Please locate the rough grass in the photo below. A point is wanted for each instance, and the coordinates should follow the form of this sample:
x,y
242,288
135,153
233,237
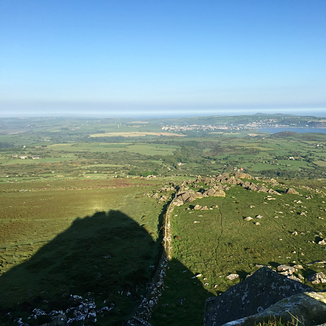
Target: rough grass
x,y
92,240
221,243
272,321
320,163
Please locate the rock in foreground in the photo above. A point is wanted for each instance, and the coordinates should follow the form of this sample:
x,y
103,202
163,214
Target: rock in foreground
x,y
308,308
256,293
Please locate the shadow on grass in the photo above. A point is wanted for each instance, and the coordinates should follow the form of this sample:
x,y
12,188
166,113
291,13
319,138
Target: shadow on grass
x,y
183,300
107,256
242,274
273,264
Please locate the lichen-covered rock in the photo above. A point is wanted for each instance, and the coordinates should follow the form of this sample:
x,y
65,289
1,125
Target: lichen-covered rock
x,y
252,187
219,193
187,196
209,192
242,175
199,195
287,270
246,184
291,191
292,277
232,181
232,277
262,289
262,189
298,266
248,218
308,308
177,202
222,177
273,192
317,278
214,192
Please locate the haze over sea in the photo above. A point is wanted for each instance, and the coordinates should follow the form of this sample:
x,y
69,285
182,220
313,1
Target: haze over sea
x,y
148,113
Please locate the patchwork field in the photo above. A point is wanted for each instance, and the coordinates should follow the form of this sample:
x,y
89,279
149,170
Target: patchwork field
x,y
136,134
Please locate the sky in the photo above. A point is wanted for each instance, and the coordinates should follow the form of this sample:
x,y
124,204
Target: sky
x,y
162,57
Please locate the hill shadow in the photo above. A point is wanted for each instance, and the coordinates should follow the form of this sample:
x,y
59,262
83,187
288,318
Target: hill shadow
x,y
106,258
184,298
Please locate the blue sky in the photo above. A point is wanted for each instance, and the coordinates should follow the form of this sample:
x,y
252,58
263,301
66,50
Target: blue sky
x,y
134,57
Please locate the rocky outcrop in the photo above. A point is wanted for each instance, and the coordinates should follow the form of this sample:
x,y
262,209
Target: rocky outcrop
x,y
256,293
317,278
242,175
214,192
308,308
286,270
218,185
189,196
273,192
291,191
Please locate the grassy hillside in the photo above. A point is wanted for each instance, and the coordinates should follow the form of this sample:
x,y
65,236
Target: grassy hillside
x,y
87,238
215,243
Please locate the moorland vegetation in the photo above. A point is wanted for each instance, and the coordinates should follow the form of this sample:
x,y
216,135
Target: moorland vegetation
x,y
86,216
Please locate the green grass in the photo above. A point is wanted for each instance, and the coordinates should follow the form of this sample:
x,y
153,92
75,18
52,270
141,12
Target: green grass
x,y
272,321
89,147
29,161
320,163
221,242
56,235
145,149
151,149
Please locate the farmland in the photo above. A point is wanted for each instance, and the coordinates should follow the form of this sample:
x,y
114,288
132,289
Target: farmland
x,y
135,134
78,216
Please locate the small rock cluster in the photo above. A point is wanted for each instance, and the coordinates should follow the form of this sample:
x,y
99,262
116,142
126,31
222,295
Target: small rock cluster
x,y
81,310
144,310
317,278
